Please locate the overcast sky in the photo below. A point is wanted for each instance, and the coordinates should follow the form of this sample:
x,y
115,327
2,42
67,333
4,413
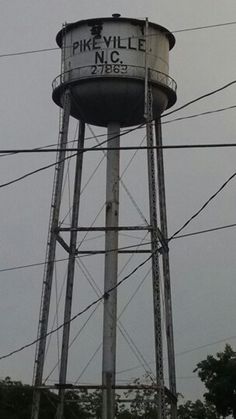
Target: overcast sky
x,y
202,267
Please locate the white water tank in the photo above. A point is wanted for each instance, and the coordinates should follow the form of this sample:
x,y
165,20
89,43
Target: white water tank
x,y
104,66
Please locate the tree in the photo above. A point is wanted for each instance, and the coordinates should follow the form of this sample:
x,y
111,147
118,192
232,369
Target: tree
x,y
197,410
16,402
219,376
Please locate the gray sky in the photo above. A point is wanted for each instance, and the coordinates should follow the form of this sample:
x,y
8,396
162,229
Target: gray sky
x,y
202,267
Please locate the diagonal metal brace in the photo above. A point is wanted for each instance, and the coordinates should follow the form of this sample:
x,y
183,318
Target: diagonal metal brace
x,y
164,242
63,243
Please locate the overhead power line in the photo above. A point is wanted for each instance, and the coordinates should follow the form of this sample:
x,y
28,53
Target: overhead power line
x,y
197,28
127,131
127,276
87,308
127,148
11,182
183,118
86,254
191,102
182,236
97,301
185,352
41,147
209,230
122,280
33,51
122,134
66,158
4,153
202,207
196,348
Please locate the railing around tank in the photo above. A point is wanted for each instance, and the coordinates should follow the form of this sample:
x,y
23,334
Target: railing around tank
x,y
113,70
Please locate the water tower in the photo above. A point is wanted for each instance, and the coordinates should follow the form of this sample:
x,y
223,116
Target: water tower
x,y
115,73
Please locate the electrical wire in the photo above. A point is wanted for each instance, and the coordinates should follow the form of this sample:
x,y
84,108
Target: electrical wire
x,y
105,295
137,148
41,148
123,133
47,149
33,51
56,163
202,207
185,352
174,236
91,253
195,233
94,136
212,92
142,263
12,152
37,148
196,348
127,276
80,313
209,230
197,28
227,108
48,166
72,342
100,292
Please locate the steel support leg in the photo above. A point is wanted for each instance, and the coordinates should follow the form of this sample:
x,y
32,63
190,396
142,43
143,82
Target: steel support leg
x,y
111,269
51,250
155,264
71,269
166,268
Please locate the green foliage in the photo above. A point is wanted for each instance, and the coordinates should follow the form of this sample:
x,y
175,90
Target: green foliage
x,y
143,401
15,399
217,373
219,376
197,410
85,404
16,402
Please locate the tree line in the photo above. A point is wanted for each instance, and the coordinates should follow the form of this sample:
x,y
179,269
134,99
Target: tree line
x,y
218,373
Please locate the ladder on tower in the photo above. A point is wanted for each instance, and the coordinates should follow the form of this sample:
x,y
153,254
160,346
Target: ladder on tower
x,y
50,252
44,287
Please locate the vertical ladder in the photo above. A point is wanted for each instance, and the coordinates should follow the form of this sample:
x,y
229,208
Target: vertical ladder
x,y
51,246
50,258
